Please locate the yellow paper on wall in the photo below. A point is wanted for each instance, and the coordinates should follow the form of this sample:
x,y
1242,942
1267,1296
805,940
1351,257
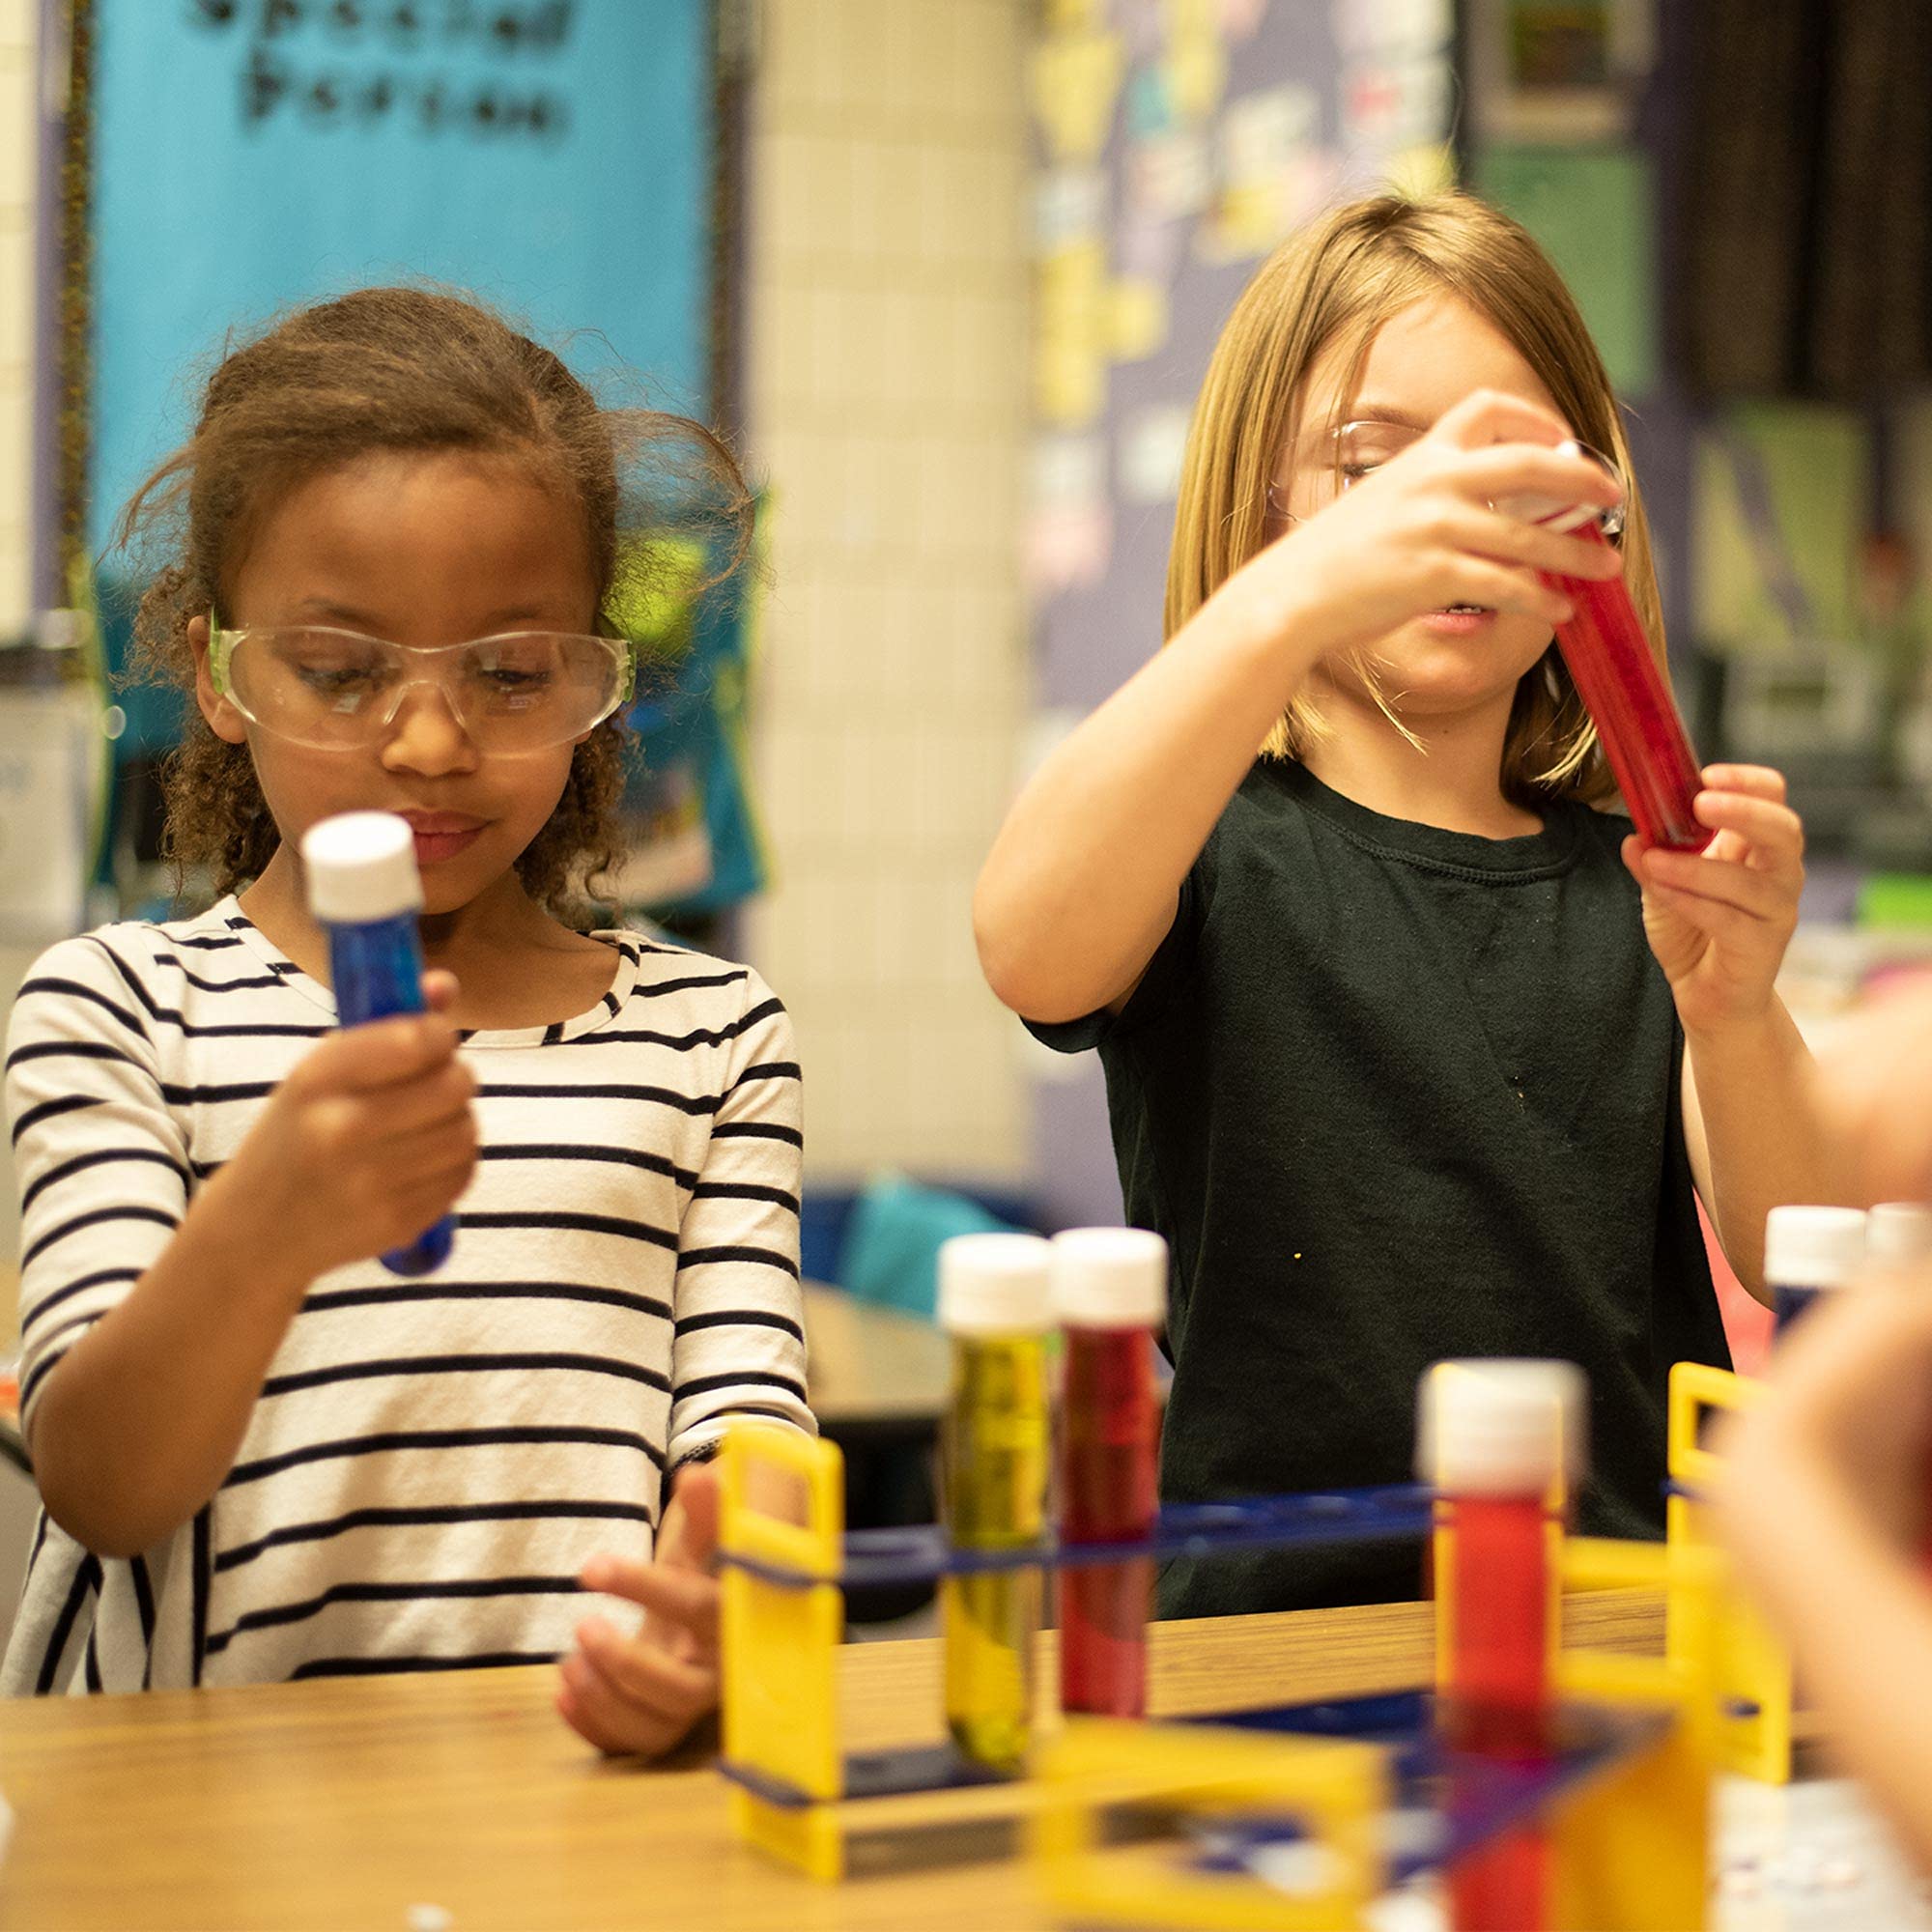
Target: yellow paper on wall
x,y
1075,82
1197,57
1072,333
1139,319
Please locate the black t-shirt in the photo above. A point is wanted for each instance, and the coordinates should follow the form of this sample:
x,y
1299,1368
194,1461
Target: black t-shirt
x,y
1392,1094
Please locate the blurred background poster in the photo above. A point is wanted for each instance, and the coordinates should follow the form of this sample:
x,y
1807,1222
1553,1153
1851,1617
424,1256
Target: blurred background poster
x,y
549,157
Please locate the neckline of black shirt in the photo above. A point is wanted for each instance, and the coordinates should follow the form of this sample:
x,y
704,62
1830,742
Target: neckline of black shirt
x,y
1533,855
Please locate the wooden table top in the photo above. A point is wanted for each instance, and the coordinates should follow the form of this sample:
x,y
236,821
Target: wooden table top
x,y
872,1367
350,1803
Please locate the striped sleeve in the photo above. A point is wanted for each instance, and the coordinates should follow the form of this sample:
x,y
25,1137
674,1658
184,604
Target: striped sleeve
x,y
101,1163
739,1345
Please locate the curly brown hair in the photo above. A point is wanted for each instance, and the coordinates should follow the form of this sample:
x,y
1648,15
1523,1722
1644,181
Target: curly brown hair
x,y
408,369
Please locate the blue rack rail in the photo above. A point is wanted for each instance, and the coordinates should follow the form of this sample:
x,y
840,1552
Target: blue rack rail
x,y
923,1554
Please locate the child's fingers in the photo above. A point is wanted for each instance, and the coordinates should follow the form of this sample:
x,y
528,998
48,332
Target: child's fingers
x,y
1773,830
384,1053
1759,780
429,1105
602,1716
1711,917
689,1538
421,1136
1762,894
1518,469
1492,415
682,1598
646,1672
1511,540
440,990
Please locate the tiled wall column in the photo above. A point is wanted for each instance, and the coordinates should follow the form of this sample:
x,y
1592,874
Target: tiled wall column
x,y
886,314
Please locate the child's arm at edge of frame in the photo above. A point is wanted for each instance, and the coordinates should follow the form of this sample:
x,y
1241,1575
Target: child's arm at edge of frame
x,y
1825,1487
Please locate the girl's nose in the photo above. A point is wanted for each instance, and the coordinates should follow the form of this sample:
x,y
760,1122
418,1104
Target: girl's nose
x,y
425,734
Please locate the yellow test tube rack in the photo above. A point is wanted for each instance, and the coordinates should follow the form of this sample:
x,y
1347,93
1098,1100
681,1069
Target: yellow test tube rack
x,y
1759,1723
1627,1843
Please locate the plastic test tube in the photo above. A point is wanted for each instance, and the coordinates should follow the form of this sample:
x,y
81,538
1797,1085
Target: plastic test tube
x,y
1501,1440
1808,1252
1110,1294
1898,1234
994,1455
1622,686
363,888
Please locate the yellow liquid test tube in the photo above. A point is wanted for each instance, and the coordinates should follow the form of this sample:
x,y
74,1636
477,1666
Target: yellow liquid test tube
x,y
995,1460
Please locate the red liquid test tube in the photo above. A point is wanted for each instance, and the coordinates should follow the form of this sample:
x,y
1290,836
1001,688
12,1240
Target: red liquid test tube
x,y
1621,683
1500,1440
1110,1295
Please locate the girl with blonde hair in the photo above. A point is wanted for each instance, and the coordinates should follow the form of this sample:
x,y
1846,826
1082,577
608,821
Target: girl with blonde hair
x,y
1411,1051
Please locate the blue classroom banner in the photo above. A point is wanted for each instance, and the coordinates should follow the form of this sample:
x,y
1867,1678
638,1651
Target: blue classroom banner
x,y
552,156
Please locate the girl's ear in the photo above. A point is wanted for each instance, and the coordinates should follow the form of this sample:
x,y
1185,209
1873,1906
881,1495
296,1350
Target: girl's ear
x,y
223,720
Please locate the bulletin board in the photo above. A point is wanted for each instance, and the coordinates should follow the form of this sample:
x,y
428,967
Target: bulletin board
x,y
554,156
1178,141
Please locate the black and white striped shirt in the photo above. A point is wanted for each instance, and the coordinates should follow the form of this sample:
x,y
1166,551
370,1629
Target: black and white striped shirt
x,y
431,1461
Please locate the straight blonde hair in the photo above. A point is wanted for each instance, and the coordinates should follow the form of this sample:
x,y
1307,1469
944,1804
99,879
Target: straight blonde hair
x,y
1335,283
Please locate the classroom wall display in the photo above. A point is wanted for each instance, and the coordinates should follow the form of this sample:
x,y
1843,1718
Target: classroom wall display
x,y
554,156
1177,142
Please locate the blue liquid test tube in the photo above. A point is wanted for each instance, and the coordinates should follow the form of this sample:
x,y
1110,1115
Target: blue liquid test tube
x,y
365,892
1810,1252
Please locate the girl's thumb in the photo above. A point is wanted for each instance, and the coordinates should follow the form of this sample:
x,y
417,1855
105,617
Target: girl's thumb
x,y
690,1539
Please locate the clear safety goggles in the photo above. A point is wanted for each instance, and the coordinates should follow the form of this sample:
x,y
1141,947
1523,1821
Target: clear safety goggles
x,y
1359,449
331,690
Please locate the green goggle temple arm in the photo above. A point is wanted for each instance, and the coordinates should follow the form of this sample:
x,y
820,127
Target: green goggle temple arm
x,y
221,648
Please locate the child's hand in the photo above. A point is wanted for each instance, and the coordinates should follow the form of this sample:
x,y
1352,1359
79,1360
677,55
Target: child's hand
x,y
1852,1406
1422,534
1718,921
642,1694
365,1144
1875,1094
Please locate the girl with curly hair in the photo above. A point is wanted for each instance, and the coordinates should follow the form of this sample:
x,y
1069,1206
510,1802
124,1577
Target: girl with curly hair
x,y
395,535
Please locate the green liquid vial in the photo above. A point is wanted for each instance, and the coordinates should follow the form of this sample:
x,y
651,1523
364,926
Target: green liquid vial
x,y
995,1460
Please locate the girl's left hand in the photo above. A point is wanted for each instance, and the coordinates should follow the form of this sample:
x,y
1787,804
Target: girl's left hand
x,y
643,1694
1718,921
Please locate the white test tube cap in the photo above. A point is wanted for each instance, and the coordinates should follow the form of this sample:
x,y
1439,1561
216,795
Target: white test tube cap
x,y
1813,1247
1502,1427
995,1285
1898,1234
361,867
1553,513
1109,1278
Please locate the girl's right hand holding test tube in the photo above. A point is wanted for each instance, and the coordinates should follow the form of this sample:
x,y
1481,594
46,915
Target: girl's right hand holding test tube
x,y
1423,531
1081,885
365,1144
